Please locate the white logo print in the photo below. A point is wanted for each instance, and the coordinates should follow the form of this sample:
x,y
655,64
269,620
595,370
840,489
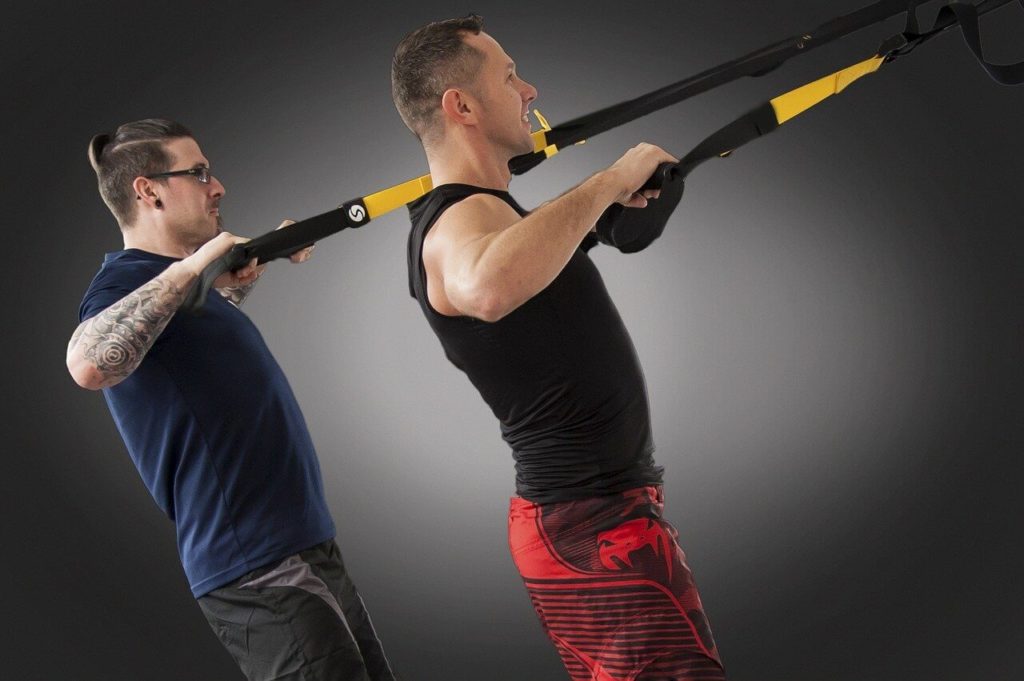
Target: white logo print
x,y
356,213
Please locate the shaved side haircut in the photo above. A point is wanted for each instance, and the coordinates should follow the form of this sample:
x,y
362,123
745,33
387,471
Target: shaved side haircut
x,y
429,61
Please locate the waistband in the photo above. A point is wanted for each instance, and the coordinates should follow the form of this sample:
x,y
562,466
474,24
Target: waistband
x,y
519,507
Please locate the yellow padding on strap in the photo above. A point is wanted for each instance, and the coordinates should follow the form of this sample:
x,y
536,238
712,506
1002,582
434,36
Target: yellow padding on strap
x,y
540,141
386,200
797,101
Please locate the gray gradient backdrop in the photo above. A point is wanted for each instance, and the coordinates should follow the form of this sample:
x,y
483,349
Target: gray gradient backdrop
x,y
831,331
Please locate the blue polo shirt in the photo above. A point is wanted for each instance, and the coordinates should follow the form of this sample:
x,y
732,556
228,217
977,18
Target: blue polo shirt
x,y
216,433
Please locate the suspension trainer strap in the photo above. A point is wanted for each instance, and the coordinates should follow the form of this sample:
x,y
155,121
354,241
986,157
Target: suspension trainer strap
x,y
755,64
760,121
766,117
761,61
281,243
966,15
634,229
770,115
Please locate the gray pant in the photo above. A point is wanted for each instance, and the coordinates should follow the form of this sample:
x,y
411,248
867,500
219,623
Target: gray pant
x,y
298,620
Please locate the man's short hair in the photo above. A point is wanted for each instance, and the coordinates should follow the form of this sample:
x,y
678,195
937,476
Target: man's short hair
x,y
136,149
429,61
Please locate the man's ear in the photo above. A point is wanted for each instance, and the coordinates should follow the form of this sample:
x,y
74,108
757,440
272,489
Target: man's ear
x,y
147,191
459,106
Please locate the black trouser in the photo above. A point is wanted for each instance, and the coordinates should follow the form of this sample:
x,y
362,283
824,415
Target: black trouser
x,y
299,619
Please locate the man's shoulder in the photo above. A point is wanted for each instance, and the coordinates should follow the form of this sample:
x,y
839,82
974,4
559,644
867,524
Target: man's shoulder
x,y
127,267
477,213
120,273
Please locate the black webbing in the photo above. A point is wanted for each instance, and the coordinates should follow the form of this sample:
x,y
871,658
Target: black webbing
x,y
282,243
767,58
277,244
755,64
966,14
762,120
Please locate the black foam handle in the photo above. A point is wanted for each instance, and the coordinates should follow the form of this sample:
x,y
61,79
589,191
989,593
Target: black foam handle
x,y
662,174
234,259
524,162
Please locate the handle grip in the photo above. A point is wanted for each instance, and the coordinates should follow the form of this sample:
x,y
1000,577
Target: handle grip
x,y
662,174
234,259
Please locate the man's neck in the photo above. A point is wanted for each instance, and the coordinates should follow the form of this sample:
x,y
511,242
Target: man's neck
x,y
152,239
465,160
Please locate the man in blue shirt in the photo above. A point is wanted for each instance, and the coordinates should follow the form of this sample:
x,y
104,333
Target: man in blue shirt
x,y
210,421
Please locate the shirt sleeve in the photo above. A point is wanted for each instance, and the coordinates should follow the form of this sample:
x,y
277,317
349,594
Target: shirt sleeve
x,y
111,285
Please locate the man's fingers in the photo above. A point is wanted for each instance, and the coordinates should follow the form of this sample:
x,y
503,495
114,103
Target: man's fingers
x,y
285,223
250,272
635,201
303,255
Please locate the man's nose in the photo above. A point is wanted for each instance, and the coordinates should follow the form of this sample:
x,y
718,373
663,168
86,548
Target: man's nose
x,y
217,187
529,92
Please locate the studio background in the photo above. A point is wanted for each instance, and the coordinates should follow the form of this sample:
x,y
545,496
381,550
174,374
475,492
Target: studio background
x,y
830,328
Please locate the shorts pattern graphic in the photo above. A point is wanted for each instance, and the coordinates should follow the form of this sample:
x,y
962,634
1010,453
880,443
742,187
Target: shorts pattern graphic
x,y
612,588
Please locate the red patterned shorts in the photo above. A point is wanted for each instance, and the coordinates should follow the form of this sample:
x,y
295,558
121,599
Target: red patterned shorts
x,y
612,588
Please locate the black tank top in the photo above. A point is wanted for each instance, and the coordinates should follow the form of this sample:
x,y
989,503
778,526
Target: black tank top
x,y
560,373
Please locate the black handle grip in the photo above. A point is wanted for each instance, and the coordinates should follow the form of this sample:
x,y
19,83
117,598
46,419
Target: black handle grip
x,y
524,162
234,259
662,174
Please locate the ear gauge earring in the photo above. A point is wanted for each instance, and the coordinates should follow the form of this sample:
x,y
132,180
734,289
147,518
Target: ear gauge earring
x,y
159,203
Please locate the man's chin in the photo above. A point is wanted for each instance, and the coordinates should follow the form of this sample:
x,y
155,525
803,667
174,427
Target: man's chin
x,y
217,230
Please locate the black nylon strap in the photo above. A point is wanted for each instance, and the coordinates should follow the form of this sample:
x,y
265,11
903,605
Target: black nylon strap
x,y
754,64
755,123
967,15
912,23
277,244
762,61
631,230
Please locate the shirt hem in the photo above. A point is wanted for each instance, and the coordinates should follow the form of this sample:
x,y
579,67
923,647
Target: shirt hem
x,y
205,586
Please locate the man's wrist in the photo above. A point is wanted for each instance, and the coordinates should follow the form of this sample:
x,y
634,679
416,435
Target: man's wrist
x,y
183,272
607,185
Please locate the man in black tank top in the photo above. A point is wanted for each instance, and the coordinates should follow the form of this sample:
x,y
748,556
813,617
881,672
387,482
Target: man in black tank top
x,y
521,309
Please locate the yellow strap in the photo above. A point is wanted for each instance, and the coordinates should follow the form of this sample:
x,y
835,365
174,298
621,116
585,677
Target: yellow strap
x,y
540,142
797,101
786,106
386,200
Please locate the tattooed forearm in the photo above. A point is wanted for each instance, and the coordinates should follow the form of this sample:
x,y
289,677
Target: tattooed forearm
x,y
116,340
236,294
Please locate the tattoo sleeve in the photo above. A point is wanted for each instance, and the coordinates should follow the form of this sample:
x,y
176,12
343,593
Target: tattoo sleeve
x,y
117,339
236,294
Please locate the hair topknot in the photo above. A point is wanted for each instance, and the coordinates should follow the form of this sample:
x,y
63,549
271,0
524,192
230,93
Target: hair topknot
x,y
96,146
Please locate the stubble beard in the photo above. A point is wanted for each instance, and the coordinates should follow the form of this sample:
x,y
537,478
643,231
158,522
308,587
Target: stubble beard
x,y
220,228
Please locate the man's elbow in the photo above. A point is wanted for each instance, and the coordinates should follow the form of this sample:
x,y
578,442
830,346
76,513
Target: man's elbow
x,y
492,310
484,303
86,375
